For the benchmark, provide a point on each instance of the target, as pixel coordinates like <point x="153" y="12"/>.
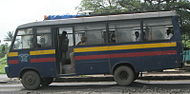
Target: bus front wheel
<point x="31" y="80"/>
<point x="124" y="75"/>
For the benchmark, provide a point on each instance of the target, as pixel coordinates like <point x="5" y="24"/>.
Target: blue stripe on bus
<point x="12" y="58"/>
<point x="92" y="61"/>
<point x="42" y="56"/>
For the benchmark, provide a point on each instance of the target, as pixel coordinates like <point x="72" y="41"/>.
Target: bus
<point x="121" y="45"/>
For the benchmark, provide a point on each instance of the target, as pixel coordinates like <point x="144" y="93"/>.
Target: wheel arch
<point x="122" y="64"/>
<point x="28" y="69"/>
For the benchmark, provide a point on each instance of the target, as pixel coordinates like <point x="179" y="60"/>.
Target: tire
<point x="124" y="75"/>
<point x="46" y="81"/>
<point x="31" y="80"/>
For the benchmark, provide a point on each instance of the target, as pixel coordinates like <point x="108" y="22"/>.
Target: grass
<point x="3" y="63"/>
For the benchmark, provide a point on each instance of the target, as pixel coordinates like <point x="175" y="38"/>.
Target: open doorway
<point x="65" y="50"/>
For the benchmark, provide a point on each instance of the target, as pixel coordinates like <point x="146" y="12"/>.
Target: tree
<point x="130" y="5"/>
<point x="9" y="37"/>
<point x="100" y="6"/>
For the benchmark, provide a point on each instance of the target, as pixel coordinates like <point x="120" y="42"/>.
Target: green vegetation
<point x="3" y="58"/>
<point x="3" y="63"/>
<point x="128" y="6"/>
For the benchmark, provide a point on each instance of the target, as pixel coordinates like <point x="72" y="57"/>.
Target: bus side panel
<point x="91" y="62"/>
<point x="40" y="61"/>
<point x="148" y="63"/>
<point x="45" y="70"/>
<point x="148" y="59"/>
<point x="142" y="56"/>
<point x="92" y="66"/>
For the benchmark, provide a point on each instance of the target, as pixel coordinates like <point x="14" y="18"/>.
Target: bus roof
<point x="100" y="18"/>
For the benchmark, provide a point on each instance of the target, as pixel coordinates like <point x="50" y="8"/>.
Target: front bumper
<point x="7" y="72"/>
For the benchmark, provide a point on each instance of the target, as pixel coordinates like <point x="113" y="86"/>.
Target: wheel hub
<point x="123" y="75"/>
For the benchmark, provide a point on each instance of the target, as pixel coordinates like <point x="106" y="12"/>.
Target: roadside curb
<point x="3" y="82"/>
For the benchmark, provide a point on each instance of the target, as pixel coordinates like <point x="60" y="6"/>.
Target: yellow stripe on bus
<point x="125" y="47"/>
<point x="12" y="54"/>
<point x="42" y="52"/>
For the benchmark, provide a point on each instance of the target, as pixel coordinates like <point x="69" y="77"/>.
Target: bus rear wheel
<point x="124" y="75"/>
<point x="46" y="81"/>
<point x="31" y="80"/>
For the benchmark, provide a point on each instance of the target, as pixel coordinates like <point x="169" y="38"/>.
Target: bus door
<point x="65" y="49"/>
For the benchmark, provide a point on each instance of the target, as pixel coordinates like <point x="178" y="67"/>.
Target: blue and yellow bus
<point x="121" y="45"/>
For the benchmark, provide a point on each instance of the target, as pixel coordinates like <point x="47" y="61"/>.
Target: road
<point x="139" y="86"/>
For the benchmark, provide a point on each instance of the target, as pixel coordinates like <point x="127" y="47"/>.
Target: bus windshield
<point x="24" y="39"/>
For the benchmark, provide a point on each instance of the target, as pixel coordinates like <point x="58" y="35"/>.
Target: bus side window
<point x="124" y="35"/>
<point x="44" y="38"/>
<point x="160" y="33"/>
<point x="124" y="31"/>
<point x="90" y="34"/>
<point x="159" y="29"/>
<point x="94" y="37"/>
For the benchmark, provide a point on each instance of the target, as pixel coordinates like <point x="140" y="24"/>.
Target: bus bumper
<point x="7" y="72"/>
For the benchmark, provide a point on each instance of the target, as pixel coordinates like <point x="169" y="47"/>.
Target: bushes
<point x="3" y="63"/>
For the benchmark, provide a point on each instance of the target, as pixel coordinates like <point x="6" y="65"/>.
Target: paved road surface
<point x="139" y="86"/>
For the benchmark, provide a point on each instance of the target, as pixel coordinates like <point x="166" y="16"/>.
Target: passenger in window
<point x="169" y="33"/>
<point x="136" y="35"/>
<point x="42" y="41"/>
<point x="82" y="41"/>
<point x="112" y="38"/>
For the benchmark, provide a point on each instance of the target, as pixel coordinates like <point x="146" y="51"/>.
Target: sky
<point x="17" y="12"/>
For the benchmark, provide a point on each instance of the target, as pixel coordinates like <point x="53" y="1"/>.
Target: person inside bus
<point x="112" y="37"/>
<point x="169" y="33"/>
<point x="82" y="41"/>
<point x="64" y="42"/>
<point x="136" y="36"/>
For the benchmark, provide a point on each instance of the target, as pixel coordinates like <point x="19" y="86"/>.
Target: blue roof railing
<point x="54" y="17"/>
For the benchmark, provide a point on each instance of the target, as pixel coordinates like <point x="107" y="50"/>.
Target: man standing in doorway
<point x="64" y="41"/>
